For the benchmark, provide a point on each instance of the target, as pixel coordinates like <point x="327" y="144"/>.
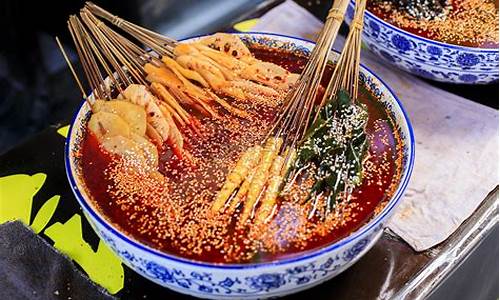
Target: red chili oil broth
<point x="370" y="198"/>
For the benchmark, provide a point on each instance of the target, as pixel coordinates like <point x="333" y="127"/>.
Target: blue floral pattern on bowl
<point x="240" y="286"/>
<point x="246" y="281"/>
<point x="427" y="58"/>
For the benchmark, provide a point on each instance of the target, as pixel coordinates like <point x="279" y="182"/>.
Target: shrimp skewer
<point x="247" y="80"/>
<point x="170" y="101"/>
<point x="184" y="86"/>
<point x="167" y="109"/>
<point x="204" y="95"/>
<point x="273" y="188"/>
<point x="174" y="85"/>
<point x="221" y="58"/>
<point x="242" y="192"/>
<point x="246" y="162"/>
<point x="259" y="180"/>
<point x="227" y="82"/>
<point x="174" y="66"/>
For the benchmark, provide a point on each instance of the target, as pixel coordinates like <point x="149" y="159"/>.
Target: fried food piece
<point x="221" y="58"/>
<point x="139" y="94"/>
<point x="173" y="65"/>
<point x="105" y="123"/>
<point x="176" y="87"/>
<point x="269" y="74"/>
<point x="134" y="115"/>
<point x="170" y="101"/>
<point x="207" y="70"/>
<point x="227" y="43"/>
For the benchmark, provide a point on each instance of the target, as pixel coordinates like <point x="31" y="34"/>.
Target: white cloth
<point x="456" y="161"/>
<point x="289" y="18"/>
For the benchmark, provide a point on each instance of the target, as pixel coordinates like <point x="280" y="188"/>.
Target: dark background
<point x="36" y="88"/>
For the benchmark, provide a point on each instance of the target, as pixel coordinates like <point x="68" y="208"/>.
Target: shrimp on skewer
<point x="239" y="59"/>
<point x="246" y="162"/>
<point x="221" y="58"/>
<point x="190" y="88"/>
<point x="176" y="87"/>
<point x="208" y="62"/>
<point x="171" y="103"/>
<point x="208" y="71"/>
<point x="230" y="85"/>
<point x="243" y="80"/>
<point x="174" y="66"/>
<point x="273" y="188"/>
<point x="260" y="177"/>
<point x="205" y="95"/>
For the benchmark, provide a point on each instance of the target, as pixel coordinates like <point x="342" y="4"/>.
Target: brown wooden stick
<point x="346" y="73"/>
<point x="294" y="119"/>
<point x="75" y="76"/>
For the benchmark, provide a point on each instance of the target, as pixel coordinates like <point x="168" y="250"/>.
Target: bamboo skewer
<point x="73" y="72"/>
<point x="111" y="51"/>
<point x="293" y="121"/>
<point x="102" y="49"/>
<point x="89" y="64"/>
<point x="345" y="77"/>
<point x="157" y="42"/>
<point x="289" y="128"/>
<point x="346" y="72"/>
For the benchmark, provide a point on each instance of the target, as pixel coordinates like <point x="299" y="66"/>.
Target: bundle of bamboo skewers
<point x="275" y="162"/>
<point x="261" y="172"/>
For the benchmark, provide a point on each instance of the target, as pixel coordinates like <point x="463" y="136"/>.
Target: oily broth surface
<point x="172" y="216"/>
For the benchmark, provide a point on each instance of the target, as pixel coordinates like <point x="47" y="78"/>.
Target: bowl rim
<point x="226" y="266"/>
<point x="427" y="40"/>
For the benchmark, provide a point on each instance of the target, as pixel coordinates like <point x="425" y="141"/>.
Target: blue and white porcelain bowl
<point x="249" y="281"/>
<point x="425" y="57"/>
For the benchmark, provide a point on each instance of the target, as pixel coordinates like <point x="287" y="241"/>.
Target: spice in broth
<point x="172" y="214"/>
<point x="470" y="23"/>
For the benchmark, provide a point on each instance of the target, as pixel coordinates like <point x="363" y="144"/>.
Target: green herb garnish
<point x="337" y="145"/>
